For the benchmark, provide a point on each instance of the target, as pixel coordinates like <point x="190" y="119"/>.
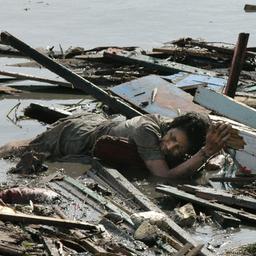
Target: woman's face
<point x="175" y="143"/>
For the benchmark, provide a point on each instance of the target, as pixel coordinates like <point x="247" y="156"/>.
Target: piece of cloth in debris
<point x="77" y="134"/>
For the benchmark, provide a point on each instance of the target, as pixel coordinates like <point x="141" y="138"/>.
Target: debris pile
<point x="102" y="213"/>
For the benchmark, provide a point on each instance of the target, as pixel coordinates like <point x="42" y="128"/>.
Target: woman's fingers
<point x="223" y="130"/>
<point x="224" y="139"/>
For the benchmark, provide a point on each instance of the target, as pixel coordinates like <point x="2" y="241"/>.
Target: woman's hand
<point x="216" y="138"/>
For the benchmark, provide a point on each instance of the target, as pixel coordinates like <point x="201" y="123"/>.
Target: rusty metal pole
<point x="237" y="64"/>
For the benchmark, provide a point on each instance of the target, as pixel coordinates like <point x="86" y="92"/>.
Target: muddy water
<point x="134" y="22"/>
<point x="97" y="23"/>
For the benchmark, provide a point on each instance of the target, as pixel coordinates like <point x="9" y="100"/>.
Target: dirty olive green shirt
<point x="146" y="132"/>
<point x="77" y="134"/>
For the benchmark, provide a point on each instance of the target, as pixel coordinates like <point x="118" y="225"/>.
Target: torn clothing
<point x="77" y="134"/>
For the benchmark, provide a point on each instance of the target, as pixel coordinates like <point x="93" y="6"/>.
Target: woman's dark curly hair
<point x="195" y="125"/>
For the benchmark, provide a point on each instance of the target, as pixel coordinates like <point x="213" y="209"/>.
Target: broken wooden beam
<point x="9" y="90"/>
<point x="250" y="8"/>
<point x="164" y="66"/>
<point x="50" y="246"/>
<point x="225" y="219"/>
<point x="236" y="65"/>
<point x="120" y="183"/>
<point x="226" y="106"/>
<point x="243" y="215"/>
<point x="246" y="98"/>
<point x="8" y="250"/>
<point x="78" y="82"/>
<point x="33" y="219"/>
<point x="245" y="180"/>
<point x="221" y="196"/>
<point x="79" y="236"/>
<point x="219" y="49"/>
<point x="9" y="51"/>
<point x="35" y="78"/>
<point x="116" y="179"/>
<point x="192" y="52"/>
<point x="98" y="198"/>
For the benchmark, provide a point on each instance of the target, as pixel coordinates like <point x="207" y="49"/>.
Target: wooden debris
<point x="246" y="216"/>
<point x="221" y="196"/>
<point x="78" y="82"/>
<point x="8" y="250"/>
<point x="9" y="90"/>
<point x="89" y="245"/>
<point x="226" y="106"/>
<point x="226" y="220"/>
<point x="123" y="186"/>
<point x="245" y="180"/>
<point x="212" y="47"/>
<point x="50" y="246"/>
<point x="246" y="98"/>
<point x="100" y="199"/>
<point x="183" y="51"/>
<point x="35" y="78"/>
<point x="33" y="219"/>
<point x="250" y="8"/>
<point x="6" y="50"/>
<point x="166" y="67"/>
<point x="184" y="249"/>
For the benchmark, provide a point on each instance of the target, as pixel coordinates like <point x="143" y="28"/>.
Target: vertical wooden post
<point x="237" y="64"/>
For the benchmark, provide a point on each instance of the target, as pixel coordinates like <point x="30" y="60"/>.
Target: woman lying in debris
<point x="161" y="143"/>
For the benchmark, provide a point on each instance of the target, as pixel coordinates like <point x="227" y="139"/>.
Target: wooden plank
<point x="50" y="246"/>
<point x="8" y="250"/>
<point x="184" y="249"/>
<point x="79" y="236"/>
<point x="79" y="83"/>
<point x="226" y="220"/>
<point x="225" y="50"/>
<point x="9" y="90"/>
<point x="154" y="63"/>
<point x="221" y="196"/>
<point x="245" y="180"/>
<point x="195" y="250"/>
<point x="175" y="230"/>
<point x="226" y="106"/>
<point x="243" y="215"/>
<point x="9" y="51"/>
<point x="250" y="8"/>
<point x="35" y="78"/>
<point x="183" y="51"/>
<point x="33" y="219"/>
<point x="100" y="199"/>
<point x="116" y="179"/>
